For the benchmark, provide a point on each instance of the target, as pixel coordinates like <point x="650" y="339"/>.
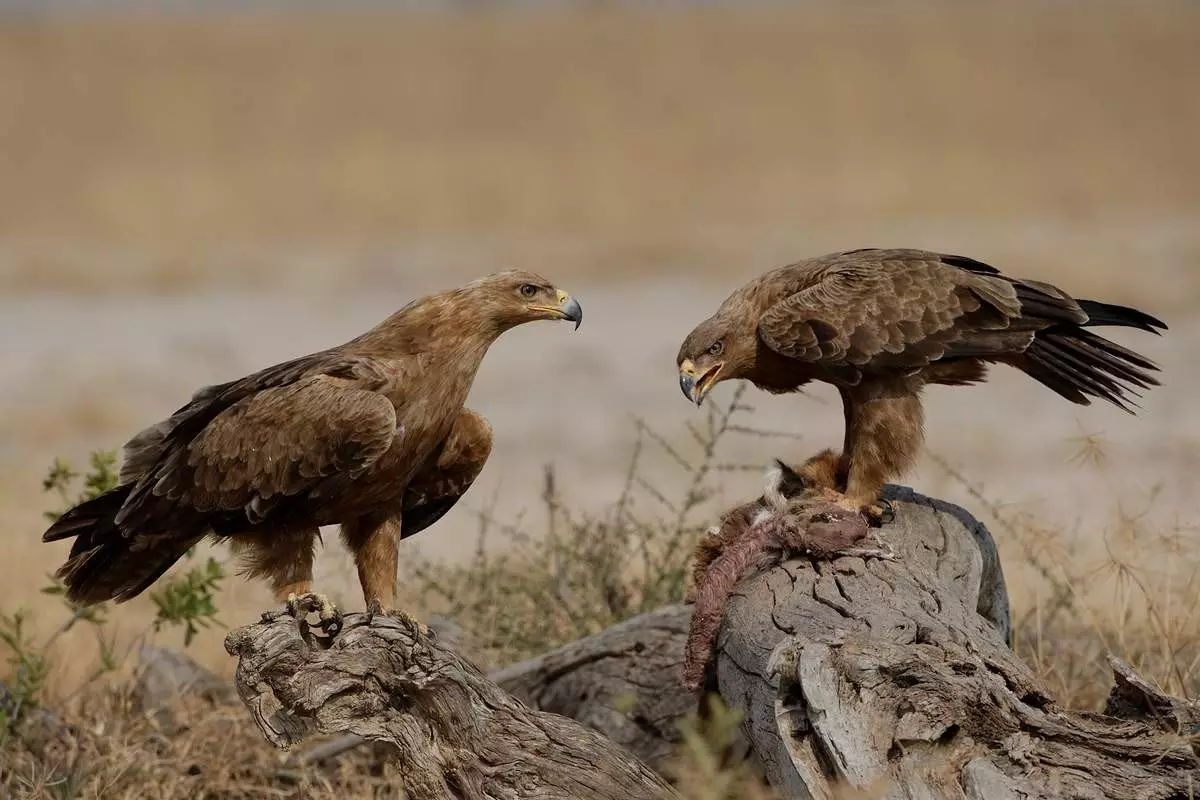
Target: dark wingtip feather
<point x="110" y="569"/>
<point x="969" y="264"/>
<point x="99" y="512"/>
<point x="65" y="529"/>
<point x="1121" y="316"/>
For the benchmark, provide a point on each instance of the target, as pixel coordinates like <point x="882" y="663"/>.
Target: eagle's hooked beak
<point x="568" y="308"/>
<point x="696" y="385"/>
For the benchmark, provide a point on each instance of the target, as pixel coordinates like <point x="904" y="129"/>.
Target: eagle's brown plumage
<point x="881" y="324"/>
<point x="371" y="435"/>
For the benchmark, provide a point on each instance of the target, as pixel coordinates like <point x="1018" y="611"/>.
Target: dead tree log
<point x="623" y="682"/>
<point x="896" y="677"/>
<point x="891" y="676"/>
<point x="456" y="734"/>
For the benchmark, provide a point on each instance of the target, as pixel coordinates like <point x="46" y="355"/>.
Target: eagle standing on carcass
<point x="880" y="325"/>
<point x="371" y="435"/>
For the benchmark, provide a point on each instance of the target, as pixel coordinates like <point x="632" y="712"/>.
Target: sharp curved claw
<point x="879" y="513"/>
<point x="329" y="618"/>
<point x="375" y="608"/>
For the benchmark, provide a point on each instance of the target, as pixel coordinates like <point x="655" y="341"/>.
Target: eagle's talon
<point x="879" y="513"/>
<point x="375" y="608"/>
<point x="881" y="549"/>
<point x="329" y="618"/>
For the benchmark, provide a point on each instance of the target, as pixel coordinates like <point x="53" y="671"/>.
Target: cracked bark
<point x="896" y="677"/>
<point x="623" y="682"/>
<point x="456" y="734"/>
<point x="891" y="676"/>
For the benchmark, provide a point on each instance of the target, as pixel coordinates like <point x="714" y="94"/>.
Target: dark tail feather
<point x="118" y="568"/>
<point x="1121" y="316"/>
<point x="105" y="564"/>
<point x="1080" y="365"/>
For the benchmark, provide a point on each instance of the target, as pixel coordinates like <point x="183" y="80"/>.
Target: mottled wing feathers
<point x="144" y="450"/>
<point x="139" y="453"/>
<point x="268" y="444"/>
<point x="880" y="311"/>
<point x="890" y="310"/>
<point x="282" y="440"/>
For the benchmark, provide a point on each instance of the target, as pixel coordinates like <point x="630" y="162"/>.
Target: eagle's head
<point x="718" y="349"/>
<point x="515" y="297"/>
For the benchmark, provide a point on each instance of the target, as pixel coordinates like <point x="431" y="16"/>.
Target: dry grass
<point x="111" y="751"/>
<point x="551" y="580"/>
<point x="1073" y="602"/>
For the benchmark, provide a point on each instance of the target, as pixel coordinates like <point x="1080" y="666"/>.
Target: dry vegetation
<point x="549" y="582"/>
<point x="311" y="155"/>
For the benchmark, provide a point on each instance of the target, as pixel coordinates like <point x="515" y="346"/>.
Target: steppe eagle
<point x="371" y="435"/>
<point x="881" y="324"/>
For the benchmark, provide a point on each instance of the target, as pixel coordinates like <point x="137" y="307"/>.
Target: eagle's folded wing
<point x="270" y="444"/>
<point x="899" y="313"/>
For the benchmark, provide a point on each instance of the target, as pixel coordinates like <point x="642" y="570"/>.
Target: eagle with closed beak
<point x="371" y="435"/>
<point x="882" y="324"/>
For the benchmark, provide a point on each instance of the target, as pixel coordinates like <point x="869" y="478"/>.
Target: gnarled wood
<point x="896" y="677"/>
<point x="457" y="734"/>
<point x="891" y="676"/>
<point x="623" y="682"/>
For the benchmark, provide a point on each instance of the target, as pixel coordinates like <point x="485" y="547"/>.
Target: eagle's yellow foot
<point x="329" y="619"/>
<point x="877" y="513"/>
<point x="375" y="607"/>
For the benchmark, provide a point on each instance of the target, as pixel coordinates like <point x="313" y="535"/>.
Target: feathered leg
<point x="825" y="470"/>
<point x="286" y="560"/>
<point x="375" y="543"/>
<point x="884" y="431"/>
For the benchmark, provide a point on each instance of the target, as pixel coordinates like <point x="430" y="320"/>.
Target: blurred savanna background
<point x="191" y="191"/>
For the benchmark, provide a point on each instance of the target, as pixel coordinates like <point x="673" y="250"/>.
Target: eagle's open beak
<point x="696" y="386"/>
<point x="568" y="308"/>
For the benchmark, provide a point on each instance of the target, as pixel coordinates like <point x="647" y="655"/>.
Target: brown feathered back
<point x="876" y="312"/>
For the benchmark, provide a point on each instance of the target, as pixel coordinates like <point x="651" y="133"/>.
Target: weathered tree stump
<point x="896" y="677"/>
<point x="623" y="682"/>
<point x="893" y="677"/>
<point x="456" y="734"/>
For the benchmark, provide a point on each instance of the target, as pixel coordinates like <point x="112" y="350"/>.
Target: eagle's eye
<point x="529" y="290"/>
<point x="716" y="348"/>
